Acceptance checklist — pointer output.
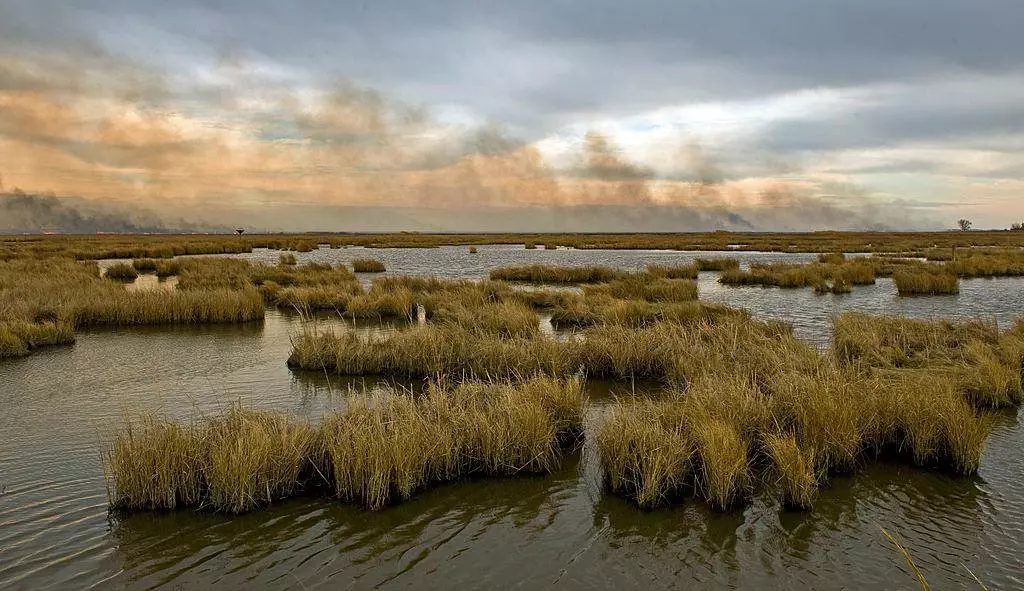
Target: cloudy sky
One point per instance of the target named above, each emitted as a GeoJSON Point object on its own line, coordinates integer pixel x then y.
{"type": "Point", "coordinates": [536, 114]}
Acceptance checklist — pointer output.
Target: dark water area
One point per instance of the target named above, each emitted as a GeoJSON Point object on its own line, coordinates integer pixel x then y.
{"type": "Point", "coordinates": [59, 407]}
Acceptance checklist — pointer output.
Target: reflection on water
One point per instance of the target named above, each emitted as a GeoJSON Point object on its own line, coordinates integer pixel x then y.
{"type": "Point", "coordinates": [60, 404]}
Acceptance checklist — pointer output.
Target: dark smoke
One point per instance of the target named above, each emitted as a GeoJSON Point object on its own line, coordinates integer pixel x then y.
{"type": "Point", "coordinates": [22, 212]}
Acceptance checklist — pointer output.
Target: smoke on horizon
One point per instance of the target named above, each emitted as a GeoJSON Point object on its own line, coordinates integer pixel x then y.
{"type": "Point", "coordinates": [244, 151]}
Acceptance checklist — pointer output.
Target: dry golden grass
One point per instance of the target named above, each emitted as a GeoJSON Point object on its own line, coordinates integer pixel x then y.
{"type": "Point", "coordinates": [254, 458]}
{"type": "Point", "coordinates": [646, 288]}
{"type": "Point", "coordinates": [379, 450]}
{"type": "Point", "coordinates": [716, 264]}
{"type": "Point", "coordinates": [121, 272]}
{"type": "Point", "coordinates": [510, 319]}
{"type": "Point", "coordinates": [553, 274]}
{"type": "Point", "coordinates": [145, 265]}
{"type": "Point", "coordinates": [794, 469]}
{"type": "Point", "coordinates": [926, 281]}
{"type": "Point", "coordinates": [378, 303]}
{"type": "Point", "coordinates": [156, 463]}
{"type": "Point", "coordinates": [937, 245]}
{"type": "Point", "coordinates": [368, 266]}
{"type": "Point", "coordinates": [674, 272]}
{"type": "Point", "coordinates": [646, 452]}
{"type": "Point", "coordinates": [19, 338]}
{"type": "Point", "coordinates": [287, 258]}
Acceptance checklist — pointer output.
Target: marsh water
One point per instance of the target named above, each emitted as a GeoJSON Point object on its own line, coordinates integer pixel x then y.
{"type": "Point", "coordinates": [60, 405]}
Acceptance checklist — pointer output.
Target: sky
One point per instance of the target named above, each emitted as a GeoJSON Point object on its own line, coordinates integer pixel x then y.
{"type": "Point", "coordinates": [535, 115]}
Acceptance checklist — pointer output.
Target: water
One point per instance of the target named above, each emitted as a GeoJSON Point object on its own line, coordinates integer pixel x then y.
{"type": "Point", "coordinates": [562, 531]}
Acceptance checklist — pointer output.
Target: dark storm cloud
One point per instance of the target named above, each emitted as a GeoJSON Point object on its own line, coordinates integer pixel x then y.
{"type": "Point", "coordinates": [891, 74]}
{"type": "Point", "coordinates": [543, 62]}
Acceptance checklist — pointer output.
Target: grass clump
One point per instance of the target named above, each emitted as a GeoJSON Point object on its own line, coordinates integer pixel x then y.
{"type": "Point", "coordinates": [646, 452]}
{"type": "Point", "coordinates": [509, 319]}
{"type": "Point", "coordinates": [287, 258]}
{"type": "Point", "coordinates": [254, 458]}
{"type": "Point", "coordinates": [167, 268]}
{"type": "Point", "coordinates": [646, 288]}
{"type": "Point", "coordinates": [368, 266]}
{"type": "Point", "coordinates": [384, 451]}
{"type": "Point", "coordinates": [926, 281]}
{"type": "Point", "coordinates": [674, 272]}
{"type": "Point", "coordinates": [472, 250]}
{"type": "Point", "coordinates": [121, 272]}
{"type": "Point", "coordinates": [18, 338]}
{"type": "Point", "coordinates": [794, 470]}
{"type": "Point", "coordinates": [554, 274]}
{"type": "Point", "coordinates": [378, 451]}
{"type": "Point", "coordinates": [716, 264]}
{"type": "Point", "coordinates": [155, 464]}
{"type": "Point", "coordinates": [379, 303]}
{"type": "Point", "coordinates": [145, 265]}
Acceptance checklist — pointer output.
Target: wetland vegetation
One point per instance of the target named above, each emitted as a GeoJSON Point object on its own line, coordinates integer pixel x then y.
{"type": "Point", "coordinates": [732, 410]}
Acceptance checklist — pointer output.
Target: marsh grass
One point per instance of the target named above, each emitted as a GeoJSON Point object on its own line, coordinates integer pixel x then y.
{"type": "Point", "coordinates": [287, 258]}
{"type": "Point", "coordinates": [794, 470]}
{"type": "Point", "coordinates": [835, 276]}
{"type": "Point", "coordinates": [674, 272]}
{"type": "Point", "coordinates": [167, 268]}
{"type": "Point", "coordinates": [18, 338]}
{"type": "Point", "coordinates": [717, 264]}
{"type": "Point", "coordinates": [121, 272]}
{"type": "Point", "coordinates": [320, 297]}
{"type": "Point", "coordinates": [368, 266]}
{"type": "Point", "coordinates": [926, 281]}
{"type": "Point", "coordinates": [646, 288]}
{"type": "Point", "coordinates": [510, 319]}
{"type": "Point", "coordinates": [145, 265]}
{"type": "Point", "coordinates": [378, 451]}
{"type": "Point", "coordinates": [554, 274]}
{"type": "Point", "coordinates": [378, 303]}
{"type": "Point", "coordinates": [743, 399]}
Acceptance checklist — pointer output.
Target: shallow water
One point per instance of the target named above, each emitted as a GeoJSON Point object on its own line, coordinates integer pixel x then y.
{"type": "Point", "coordinates": [59, 406]}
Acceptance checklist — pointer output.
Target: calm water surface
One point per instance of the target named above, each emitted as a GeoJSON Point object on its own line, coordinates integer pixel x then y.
{"type": "Point", "coordinates": [562, 531]}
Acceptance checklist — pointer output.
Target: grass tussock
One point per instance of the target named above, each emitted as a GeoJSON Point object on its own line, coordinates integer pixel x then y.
{"type": "Point", "coordinates": [794, 469]}
{"type": "Point", "coordinates": [926, 281]}
{"type": "Point", "coordinates": [743, 399]}
{"type": "Point", "coordinates": [554, 274]}
{"type": "Point", "coordinates": [287, 258]}
{"type": "Point", "coordinates": [145, 265]}
{"type": "Point", "coordinates": [19, 338]}
{"type": "Point", "coordinates": [646, 288]}
{"type": "Point", "coordinates": [368, 266]}
{"type": "Point", "coordinates": [716, 264]}
{"type": "Point", "coordinates": [836, 276]}
{"type": "Point", "coordinates": [378, 303]}
{"type": "Point", "coordinates": [674, 272]}
{"type": "Point", "coordinates": [121, 272]}
{"type": "Point", "coordinates": [378, 451]}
